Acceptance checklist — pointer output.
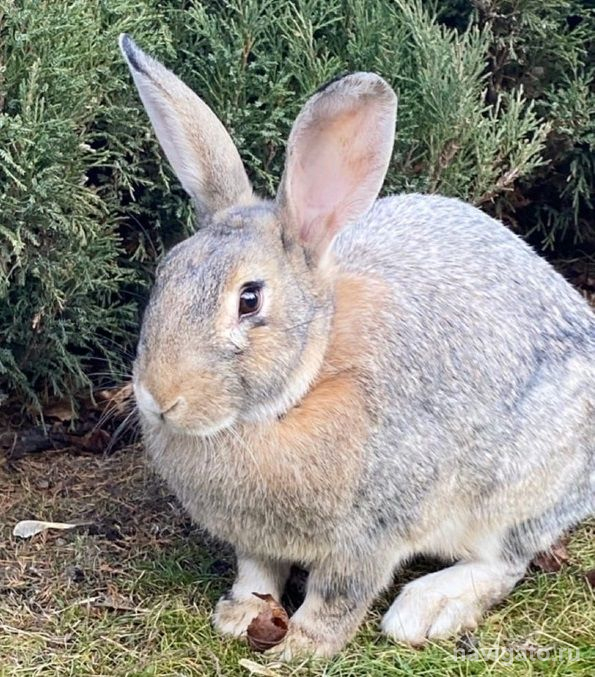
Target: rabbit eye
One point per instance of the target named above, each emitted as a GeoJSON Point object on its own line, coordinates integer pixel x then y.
{"type": "Point", "coordinates": [250, 300]}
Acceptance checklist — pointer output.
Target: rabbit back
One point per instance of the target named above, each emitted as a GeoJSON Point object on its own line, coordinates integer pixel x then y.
{"type": "Point", "coordinates": [487, 358]}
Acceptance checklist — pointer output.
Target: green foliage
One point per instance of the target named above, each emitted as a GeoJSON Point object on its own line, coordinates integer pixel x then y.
{"type": "Point", "coordinates": [88, 204]}
{"type": "Point", "coordinates": [74, 151]}
{"type": "Point", "coordinates": [546, 47]}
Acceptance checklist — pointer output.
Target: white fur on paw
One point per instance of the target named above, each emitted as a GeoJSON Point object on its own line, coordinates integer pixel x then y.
{"type": "Point", "coordinates": [298, 644]}
{"type": "Point", "coordinates": [233, 617]}
{"type": "Point", "coordinates": [444, 603]}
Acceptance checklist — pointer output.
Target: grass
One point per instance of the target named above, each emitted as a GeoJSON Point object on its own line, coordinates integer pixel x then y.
{"type": "Point", "coordinates": [133, 594]}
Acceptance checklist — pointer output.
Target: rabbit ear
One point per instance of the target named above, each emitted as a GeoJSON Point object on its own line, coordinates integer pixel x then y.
{"type": "Point", "coordinates": [337, 156]}
{"type": "Point", "coordinates": [195, 142]}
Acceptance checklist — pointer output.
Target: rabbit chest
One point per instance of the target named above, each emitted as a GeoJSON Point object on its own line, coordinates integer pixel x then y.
{"type": "Point", "coordinates": [263, 500]}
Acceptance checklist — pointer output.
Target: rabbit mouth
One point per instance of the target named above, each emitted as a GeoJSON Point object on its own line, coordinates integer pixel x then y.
{"type": "Point", "coordinates": [203, 431]}
{"type": "Point", "coordinates": [179, 415]}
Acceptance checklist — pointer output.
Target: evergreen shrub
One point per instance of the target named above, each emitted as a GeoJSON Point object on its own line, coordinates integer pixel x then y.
{"type": "Point", "coordinates": [87, 201]}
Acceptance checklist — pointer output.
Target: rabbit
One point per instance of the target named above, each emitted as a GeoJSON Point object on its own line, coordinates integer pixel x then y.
{"type": "Point", "coordinates": [344, 382]}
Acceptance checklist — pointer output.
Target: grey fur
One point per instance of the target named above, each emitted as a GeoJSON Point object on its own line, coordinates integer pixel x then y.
{"type": "Point", "coordinates": [495, 359]}
{"type": "Point", "coordinates": [479, 407]}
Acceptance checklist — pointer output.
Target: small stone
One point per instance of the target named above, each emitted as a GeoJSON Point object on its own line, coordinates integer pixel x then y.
{"type": "Point", "coordinates": [467, 643]}
{"type": "Point", "coordinates": [75, 573]}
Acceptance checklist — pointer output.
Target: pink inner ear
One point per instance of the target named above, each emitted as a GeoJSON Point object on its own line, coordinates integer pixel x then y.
{"type": "Point", "coordinates": [335, 173]}
{"type": "Point", "coordinates": [321, 177]}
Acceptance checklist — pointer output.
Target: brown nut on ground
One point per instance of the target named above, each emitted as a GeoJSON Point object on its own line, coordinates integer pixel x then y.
{"type": "Point", "coordinates": [270, 626]}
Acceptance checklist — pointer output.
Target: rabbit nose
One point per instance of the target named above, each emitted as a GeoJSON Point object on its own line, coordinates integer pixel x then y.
{"type": "Point", "coordinates": [149, 404]}
{"type": "Point", "coordinates": [145, 401]}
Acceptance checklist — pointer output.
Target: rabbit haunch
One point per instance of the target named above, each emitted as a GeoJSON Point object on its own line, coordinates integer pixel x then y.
{"type": "Point", "coordinates": [416, 380]}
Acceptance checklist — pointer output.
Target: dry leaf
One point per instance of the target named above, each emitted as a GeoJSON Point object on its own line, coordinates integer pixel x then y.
{"type": "Point", "coordinates": [28, 528]}
{"type": "Point", "coordinates": [95, 441]}
{"type": "Point", "coordinates": [117, 399]}
{"type": "Point", "coordinates": [270, 626]}
{"type": "Point", "coordinates": [62, 411]}
{"type": "Point", "coordinates": [114, 602]}
{"type": "Point", "coordinates": [553, 560]}
{"type": "Point", "coordinates": [257, 669]}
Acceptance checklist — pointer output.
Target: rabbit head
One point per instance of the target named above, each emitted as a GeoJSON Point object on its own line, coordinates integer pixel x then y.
{"type": "Point", "coordinates": [237, 324]}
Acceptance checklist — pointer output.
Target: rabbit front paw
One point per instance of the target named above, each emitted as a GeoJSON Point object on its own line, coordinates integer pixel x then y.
{"type": "Point", "coordinates": [236, 609]}
{"type": "Point", "coordinates": [233, 616]}
{"type": "Point", "coordinates": [301, 643]}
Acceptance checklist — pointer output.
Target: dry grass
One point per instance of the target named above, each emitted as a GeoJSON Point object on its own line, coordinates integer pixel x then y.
{"type": "Point", "coordinates": [132, 594]}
